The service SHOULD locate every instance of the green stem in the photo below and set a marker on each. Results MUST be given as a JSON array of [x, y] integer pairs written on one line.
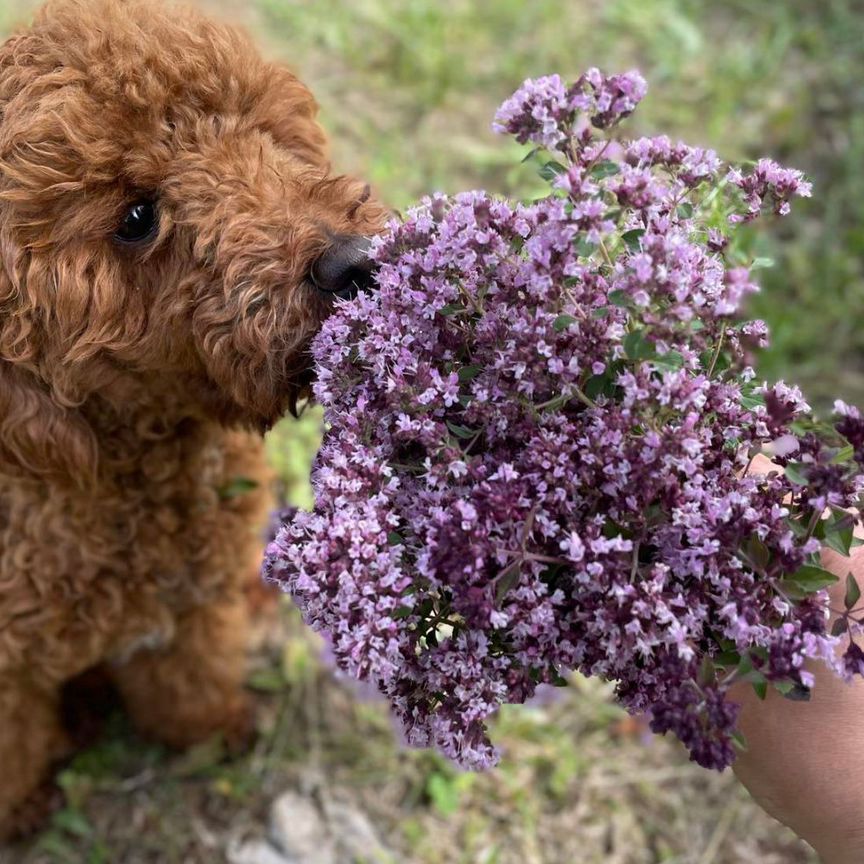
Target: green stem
[[815, 517], [717, 350], [606, 254], [561, 400]]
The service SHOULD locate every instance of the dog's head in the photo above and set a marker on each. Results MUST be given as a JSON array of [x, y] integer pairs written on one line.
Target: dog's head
[[168, 222]]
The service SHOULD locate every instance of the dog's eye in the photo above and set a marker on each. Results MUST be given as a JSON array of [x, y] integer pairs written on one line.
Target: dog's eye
[[140, 223]]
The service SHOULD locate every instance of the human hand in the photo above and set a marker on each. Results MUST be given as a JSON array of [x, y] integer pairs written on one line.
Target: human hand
[[804, 762]]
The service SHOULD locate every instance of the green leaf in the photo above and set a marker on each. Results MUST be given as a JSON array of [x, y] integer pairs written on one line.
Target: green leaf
[[597, 385], [637, 347], [728, 658], [266, 681], [793, 691], [837, 531], [793, 591], [720, 362], [752, 401], [853, 593], [551, 169], [72, 822], [811, 577], [799, 526], [745, 666], [531, 154], [556, 679], [747, 672], [840, 626], [461, 431], [506, 581], [733, 444], [838, 539], [760, 688], [620, 298], [805, 425], [469, 373], [685, 210], [632, 238], [236, 486], [794, 471], [844, 454], [606, 168], [426, 606], [632, 342], [707, 672], [739, 740], [562, 322], [762, 263], [451, 309], [394, 538], [443, 793], [584, 248], [669, 360], [757, 553], [401, 612]]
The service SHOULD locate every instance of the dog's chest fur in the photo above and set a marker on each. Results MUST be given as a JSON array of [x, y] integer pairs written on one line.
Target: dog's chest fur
[[109, 571]]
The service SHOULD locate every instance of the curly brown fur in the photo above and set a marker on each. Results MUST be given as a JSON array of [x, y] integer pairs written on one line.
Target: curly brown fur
[[135, 380]]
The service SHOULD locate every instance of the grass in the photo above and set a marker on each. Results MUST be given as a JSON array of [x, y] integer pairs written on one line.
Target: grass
[[579, 782], [407, 91]]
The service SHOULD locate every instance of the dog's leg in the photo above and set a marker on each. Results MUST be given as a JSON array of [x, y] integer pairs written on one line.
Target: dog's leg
[[32, 739], [193, 689]]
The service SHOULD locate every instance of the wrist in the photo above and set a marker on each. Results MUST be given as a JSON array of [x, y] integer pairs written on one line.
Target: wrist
[[849, 856], [842, 850]]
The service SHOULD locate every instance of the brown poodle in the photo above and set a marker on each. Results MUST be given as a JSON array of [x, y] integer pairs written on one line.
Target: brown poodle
[[169, 233]]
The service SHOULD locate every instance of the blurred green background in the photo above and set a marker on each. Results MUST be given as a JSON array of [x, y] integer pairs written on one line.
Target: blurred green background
[[408, 89]]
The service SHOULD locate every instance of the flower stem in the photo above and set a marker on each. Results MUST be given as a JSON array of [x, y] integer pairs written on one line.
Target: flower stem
[[717, 350]]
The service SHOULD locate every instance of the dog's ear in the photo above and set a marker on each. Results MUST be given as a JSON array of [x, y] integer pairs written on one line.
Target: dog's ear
[[288, 111], [38, 437]]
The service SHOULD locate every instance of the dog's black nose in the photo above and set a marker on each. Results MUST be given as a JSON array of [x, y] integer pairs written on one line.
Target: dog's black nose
[[345, 267]]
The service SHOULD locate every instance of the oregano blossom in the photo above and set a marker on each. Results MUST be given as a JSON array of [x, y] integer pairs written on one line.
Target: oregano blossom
[[540, 430]]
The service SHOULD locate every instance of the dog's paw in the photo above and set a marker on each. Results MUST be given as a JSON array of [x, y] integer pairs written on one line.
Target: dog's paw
[[33, 814], [240, 730]]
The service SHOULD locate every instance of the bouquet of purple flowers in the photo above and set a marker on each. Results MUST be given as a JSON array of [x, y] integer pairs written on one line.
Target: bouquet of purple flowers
[[539, 438]]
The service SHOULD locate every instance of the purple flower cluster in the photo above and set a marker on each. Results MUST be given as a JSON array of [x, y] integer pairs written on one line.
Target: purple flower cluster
[[548, 113], [771, 183], [539, 435]]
